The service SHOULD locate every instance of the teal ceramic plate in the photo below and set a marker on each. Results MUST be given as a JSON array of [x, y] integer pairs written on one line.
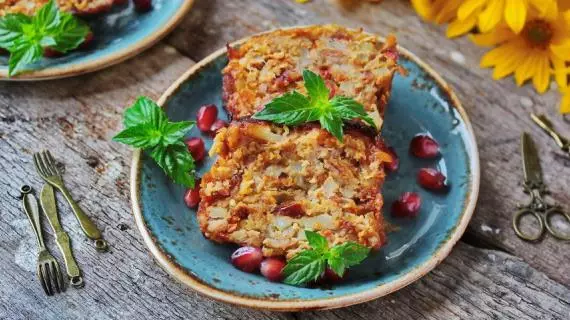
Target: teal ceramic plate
[[421, 103], [119, 34]]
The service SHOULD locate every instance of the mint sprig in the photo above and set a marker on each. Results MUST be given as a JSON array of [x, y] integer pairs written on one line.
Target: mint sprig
[[309, 265], [147, 127], [26, 37], [293, 108]]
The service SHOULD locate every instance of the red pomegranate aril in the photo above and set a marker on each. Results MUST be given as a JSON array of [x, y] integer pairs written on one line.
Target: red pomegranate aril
[[293, 210], [206, 117], [272, 268], [393, 165], [192, 196], [331, 277], [87, 41], [218, 124], [196, 147], [407, 206], [431, 179], [143, 5], [247, 259], [425, 147], [52, 53], [120, 2]]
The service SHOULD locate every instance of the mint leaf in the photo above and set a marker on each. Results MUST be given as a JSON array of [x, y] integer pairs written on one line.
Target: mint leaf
[[175, 131], [316, 241], [176, 162], [306, 266], [293, 108], [47, 17], [21, 54], [70, 33], [141, 136], [337, 264], [351, 253], [11, 29], [144, 110]]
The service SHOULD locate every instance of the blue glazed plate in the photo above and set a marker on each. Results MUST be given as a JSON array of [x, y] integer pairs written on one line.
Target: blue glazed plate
[[420, 103], [120, 34]]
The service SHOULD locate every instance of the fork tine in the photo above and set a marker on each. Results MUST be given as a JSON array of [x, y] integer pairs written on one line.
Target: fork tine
[[54, 276], [38, 165], [59, 277], [42, 280], [46, 162], [51, 162], [45, 279]]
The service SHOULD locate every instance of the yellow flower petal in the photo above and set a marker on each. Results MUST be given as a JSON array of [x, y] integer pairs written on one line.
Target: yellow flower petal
[[565, 103], [469, 7], [498, 55], [515, 14], [560, 72], [509, 65], [423, 8], [447, 11], [461, 27], [526, 70], [492, 38], [541, 78], [562, 50], [491, 16], [551, 10]]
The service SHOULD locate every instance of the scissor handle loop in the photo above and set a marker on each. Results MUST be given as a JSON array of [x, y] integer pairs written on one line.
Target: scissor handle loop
[[517, 220], [556, 211]]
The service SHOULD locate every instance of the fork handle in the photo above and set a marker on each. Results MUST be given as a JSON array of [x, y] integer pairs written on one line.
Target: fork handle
[[31, 208], [89, 228]]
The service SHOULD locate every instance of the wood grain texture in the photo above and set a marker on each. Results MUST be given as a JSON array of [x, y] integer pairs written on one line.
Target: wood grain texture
[[75, 118], [499, 110]]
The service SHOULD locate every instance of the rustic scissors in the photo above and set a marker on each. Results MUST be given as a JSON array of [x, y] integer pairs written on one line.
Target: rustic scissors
[[543, 122], [538, 207]]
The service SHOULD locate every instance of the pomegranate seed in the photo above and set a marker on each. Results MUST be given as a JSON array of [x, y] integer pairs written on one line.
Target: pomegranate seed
[[52, 53], [424, 147], [206, 117], [271, 269], [330, 276], [196, 147], [247, 259], [218, 124], [192, 196], [408, 205], [431, 179], [120, 2], [293, 210], [393, 165], [143, 5], [87, 42]]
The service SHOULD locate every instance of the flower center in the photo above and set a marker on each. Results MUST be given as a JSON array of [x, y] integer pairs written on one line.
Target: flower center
[[538, 33]]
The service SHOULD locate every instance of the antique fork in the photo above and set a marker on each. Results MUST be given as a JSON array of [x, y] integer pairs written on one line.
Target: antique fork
[[48, 268], [47, 169]]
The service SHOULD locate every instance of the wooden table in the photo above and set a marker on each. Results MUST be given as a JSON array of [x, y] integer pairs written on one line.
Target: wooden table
[[490, 274]]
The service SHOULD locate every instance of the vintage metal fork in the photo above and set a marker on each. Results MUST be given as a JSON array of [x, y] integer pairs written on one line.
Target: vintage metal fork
[[47, 169], [48, 268]]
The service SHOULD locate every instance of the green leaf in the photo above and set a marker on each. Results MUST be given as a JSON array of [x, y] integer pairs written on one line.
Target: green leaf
[[351, 253], [141, 136], [290, 109], [332, 124], [316, 88], [316, 241], [70, 33], [348, 108], [306, 266], [337, 264], [11, 29], [144, 110], [175, 131], [176, 161], [47, 17], [21, 54]]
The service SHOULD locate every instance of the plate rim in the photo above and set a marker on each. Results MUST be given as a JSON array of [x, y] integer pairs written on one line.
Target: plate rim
[[105, 61], [182, 276]]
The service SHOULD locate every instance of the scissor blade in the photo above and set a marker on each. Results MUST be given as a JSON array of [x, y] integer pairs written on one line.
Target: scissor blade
[[531, 162]]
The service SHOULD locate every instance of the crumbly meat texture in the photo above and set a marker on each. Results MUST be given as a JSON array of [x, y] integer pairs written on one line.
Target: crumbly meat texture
[[353, 63], [270, 183], [29, 7]]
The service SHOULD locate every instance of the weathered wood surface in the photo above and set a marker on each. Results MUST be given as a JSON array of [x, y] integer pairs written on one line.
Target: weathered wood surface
[[499, 110], [76, 118]]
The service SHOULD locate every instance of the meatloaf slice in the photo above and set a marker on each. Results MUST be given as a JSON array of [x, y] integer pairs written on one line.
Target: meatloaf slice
[[29, 7], [271, 182], [353, 63]]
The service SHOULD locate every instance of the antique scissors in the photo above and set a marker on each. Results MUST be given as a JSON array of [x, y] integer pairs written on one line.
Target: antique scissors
[[543, 122], [538, 207]]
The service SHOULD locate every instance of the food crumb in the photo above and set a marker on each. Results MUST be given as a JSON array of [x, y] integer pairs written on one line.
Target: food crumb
[[457, 57]]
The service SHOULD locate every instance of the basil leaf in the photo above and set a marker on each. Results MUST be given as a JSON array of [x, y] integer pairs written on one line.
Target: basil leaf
[[175, 131], [348, 108], [144, 110], [316, 241], [70, 33], [141, 136], [11, 29], [22, 54], [316, 88], [351, 253], [176, 161], [306, 266]]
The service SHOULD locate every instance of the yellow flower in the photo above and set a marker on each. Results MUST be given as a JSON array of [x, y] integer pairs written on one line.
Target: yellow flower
[[438, 11], [541, 47]]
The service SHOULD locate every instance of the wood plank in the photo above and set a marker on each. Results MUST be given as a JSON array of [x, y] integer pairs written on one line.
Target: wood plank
[[498, 109]]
